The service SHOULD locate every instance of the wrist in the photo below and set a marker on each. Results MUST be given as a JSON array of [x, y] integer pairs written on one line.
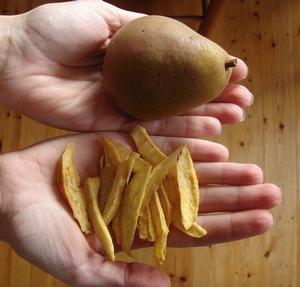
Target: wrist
[[7, 39]]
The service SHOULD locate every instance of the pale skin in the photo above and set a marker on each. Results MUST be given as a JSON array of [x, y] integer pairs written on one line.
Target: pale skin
[[54, 76]]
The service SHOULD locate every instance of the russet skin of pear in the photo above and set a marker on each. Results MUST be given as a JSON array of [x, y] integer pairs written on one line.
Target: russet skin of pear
[[156, 67]]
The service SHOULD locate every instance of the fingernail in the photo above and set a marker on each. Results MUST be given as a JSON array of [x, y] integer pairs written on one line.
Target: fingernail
[[244, 116], [251, 99]]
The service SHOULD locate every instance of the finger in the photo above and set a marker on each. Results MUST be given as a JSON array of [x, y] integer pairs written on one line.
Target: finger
[[237, 198], [228, 173], [181, 126], [201, 150], [114, 17], [225, 227], [226, 113], [235, 94], [239, 72], [87, 149]]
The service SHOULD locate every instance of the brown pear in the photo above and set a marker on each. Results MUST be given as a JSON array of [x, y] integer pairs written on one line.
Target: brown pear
[[156, 67]]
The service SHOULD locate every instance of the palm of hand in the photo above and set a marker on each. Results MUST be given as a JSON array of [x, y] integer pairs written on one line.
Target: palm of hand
[[61, 83], [42, 229]]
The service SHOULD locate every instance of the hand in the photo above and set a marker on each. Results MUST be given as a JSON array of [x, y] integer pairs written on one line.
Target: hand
[[53, 74], [39, 226]]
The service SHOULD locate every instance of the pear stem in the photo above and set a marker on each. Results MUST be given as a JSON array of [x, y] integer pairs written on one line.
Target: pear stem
[[231, 63]]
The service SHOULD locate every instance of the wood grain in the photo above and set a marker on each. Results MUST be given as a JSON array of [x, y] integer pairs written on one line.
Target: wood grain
[[268, 42], [187, 11], [9, 7], [162, 7], [266, 34]]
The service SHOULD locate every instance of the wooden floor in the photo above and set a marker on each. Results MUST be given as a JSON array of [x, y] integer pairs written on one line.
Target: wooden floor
[[266, 34]]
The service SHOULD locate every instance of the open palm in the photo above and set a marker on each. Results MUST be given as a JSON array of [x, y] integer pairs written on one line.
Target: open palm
[[53, 74], [39, 226]]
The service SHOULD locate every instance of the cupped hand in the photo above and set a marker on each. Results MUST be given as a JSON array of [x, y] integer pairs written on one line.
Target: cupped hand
[[39, 226], [53, 74]]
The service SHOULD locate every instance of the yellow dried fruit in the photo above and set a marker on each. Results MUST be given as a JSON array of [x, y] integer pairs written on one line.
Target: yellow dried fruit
[[69, 184], [92, 186]]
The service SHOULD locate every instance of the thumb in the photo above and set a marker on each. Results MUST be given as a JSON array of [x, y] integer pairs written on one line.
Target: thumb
[[125, 274], [126, 16], [97, 271], [115, 16], [138, 275]]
